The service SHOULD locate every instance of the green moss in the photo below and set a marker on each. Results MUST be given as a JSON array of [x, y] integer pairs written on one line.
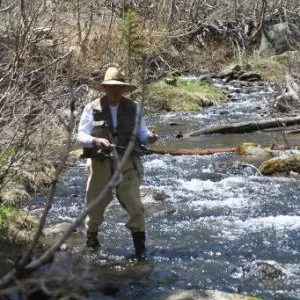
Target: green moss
[[281, 165], [270, 69], [6, 212], [185, 95]]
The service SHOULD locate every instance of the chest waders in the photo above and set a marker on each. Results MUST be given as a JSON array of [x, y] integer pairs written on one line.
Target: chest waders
[[103, 162]]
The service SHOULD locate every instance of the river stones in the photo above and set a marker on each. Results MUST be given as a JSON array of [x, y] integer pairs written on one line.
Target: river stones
[[250, 76], [281, 165], [237, 72], [230, 71]]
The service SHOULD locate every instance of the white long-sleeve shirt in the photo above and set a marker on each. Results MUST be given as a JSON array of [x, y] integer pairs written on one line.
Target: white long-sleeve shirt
[[86, 125]]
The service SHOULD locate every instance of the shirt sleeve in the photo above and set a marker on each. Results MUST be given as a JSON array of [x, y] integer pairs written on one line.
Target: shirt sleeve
[[85, 127], [143, 131]]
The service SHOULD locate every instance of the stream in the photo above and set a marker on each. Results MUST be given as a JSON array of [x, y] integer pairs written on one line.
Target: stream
[[212, 223]]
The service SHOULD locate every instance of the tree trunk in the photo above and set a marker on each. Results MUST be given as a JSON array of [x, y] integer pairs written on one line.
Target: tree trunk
[[191, 151], [250, 126]]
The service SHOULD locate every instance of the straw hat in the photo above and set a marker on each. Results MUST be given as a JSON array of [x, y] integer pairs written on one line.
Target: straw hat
[[114, 76]]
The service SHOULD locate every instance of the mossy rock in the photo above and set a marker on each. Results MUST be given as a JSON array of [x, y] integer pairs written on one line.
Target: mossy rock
[[230, 71], [17, 223], [252, 149], [75, 154], [281, 165], [269, 69], [186, 95]]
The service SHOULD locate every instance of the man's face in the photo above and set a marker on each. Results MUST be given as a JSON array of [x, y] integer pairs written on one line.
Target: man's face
[[114, 92]]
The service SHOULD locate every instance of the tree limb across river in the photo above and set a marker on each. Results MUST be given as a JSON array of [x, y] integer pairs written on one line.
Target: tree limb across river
[[250, 126]]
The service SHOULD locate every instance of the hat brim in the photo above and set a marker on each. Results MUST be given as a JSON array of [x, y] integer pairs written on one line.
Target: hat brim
[[126, 86]]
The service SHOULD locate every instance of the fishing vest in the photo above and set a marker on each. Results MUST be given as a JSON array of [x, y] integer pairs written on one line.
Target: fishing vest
[[103, 127]]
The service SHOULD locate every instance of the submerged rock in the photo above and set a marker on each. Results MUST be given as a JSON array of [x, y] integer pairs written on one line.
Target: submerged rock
[[57, 229], [160, 195], [159, 209], [281, 165], [267, 270]]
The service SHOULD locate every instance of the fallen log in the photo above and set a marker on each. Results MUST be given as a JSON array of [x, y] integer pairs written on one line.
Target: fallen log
[[250, 126], [211, 150], [191, 151]]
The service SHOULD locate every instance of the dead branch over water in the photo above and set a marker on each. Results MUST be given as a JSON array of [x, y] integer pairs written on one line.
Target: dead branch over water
[[250, 126]]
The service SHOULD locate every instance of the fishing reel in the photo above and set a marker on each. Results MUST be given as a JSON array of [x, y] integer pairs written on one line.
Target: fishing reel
[[107, 151]]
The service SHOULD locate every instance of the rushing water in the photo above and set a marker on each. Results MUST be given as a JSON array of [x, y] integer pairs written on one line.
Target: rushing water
[[212, 223]]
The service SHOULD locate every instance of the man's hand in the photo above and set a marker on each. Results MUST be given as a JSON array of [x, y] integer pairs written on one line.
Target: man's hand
[[100, 143], [152, 137]]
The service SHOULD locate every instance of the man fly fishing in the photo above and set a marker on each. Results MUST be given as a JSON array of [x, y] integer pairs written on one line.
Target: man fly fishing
[[105, 129]]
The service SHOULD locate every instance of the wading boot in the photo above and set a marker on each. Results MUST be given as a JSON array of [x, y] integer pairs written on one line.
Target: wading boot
[[139, 245], [92, 241]]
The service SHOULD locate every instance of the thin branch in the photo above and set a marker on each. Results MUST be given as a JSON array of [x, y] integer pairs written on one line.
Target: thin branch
[[50, 64]]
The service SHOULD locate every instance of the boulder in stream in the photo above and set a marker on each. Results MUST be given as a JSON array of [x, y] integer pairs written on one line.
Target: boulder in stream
[[254, 150], [281, 165], [230, 72], [250, 76]]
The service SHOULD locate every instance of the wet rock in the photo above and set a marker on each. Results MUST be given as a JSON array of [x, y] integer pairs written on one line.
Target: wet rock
[[224, 112], [163, 277], [267, 270], [159, 209], [174, 124], [205, 295], [281, 165], [160, 196], [294, 175], [254, 150], [57, 229], [205, 77], [230, 71], [64, 247], [109, 289], [156, 195], [179, 135], [250, 76], [205, 102], [235, 168]]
